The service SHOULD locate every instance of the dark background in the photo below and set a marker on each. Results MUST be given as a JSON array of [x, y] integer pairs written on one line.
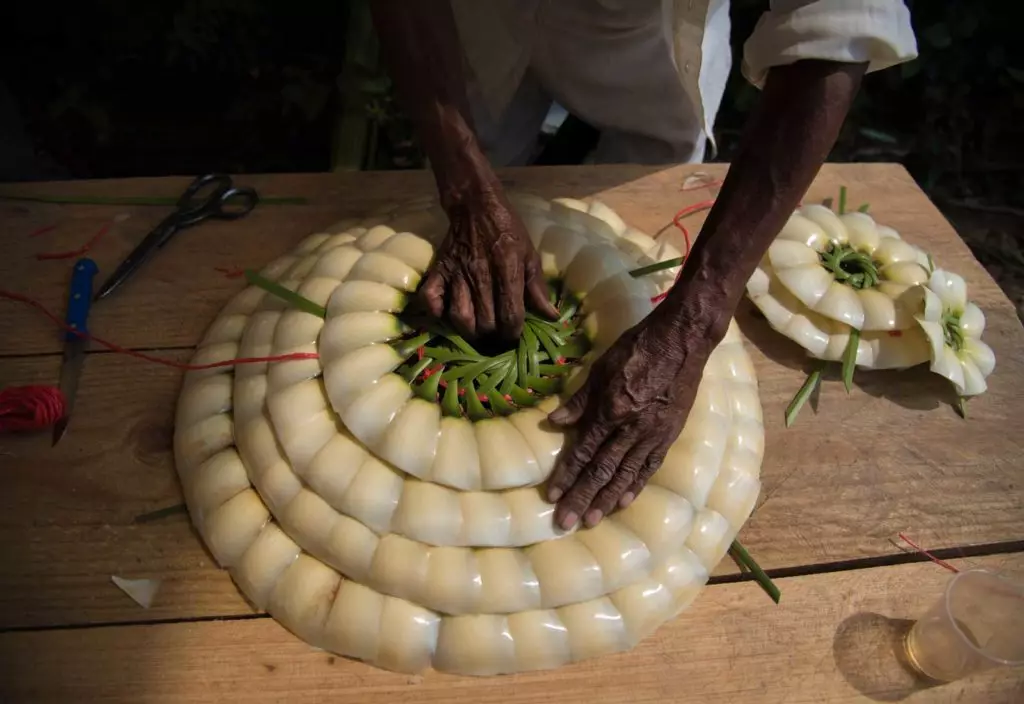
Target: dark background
[[117, 88]]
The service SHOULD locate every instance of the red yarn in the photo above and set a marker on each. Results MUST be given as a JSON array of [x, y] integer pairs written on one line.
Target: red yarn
[[30, 407], [688, 210], [76, 252], [150, 358], [42, 230], [230, 273]]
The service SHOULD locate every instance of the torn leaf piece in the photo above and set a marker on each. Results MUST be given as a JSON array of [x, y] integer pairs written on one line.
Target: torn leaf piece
[[141, 591]]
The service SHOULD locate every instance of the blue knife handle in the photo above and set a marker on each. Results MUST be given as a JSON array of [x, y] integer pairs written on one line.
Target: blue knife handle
[[80, 297]]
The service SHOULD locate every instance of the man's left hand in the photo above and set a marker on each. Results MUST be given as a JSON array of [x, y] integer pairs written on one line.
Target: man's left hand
[[627, 414]]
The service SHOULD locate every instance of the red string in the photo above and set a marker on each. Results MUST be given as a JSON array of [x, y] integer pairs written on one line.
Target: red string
[[30, 408], [688, 210], [42, 230], [76, 252], [230, 273], [150, 358], [937, 561]]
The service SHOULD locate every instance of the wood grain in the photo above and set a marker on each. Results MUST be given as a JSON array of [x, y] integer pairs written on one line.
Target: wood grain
[[890, 457], [831, 640]]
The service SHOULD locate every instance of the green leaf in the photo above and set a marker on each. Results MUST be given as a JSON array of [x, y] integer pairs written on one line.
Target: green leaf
[[549, 344], [656, 267], [450, 403], [850, 358], [290, 297], [521, 397], [575, 347], [522, 357], [808, 387], [498, 375], [407, 348], [428, 389], [412, 371], [863, 208], [511, 378], [545, 387], [499, 405], [743, 557], [532, 345], [961, 407], [474, 408]]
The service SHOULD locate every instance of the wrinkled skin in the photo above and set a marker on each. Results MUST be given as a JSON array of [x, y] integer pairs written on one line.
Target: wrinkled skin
[[485, 272], [627, 414]]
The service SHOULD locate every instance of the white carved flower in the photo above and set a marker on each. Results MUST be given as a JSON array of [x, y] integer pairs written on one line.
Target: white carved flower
[[847, 268], [953, 326]]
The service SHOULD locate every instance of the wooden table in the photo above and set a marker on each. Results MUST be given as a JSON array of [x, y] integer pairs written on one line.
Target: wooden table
[[838, 487]]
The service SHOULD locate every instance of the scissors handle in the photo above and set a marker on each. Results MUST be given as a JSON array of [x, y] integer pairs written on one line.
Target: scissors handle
[[225, 201]]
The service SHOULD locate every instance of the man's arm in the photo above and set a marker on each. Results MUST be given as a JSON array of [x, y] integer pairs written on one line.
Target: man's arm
[[785, 142], [638, 395], [486, 268]]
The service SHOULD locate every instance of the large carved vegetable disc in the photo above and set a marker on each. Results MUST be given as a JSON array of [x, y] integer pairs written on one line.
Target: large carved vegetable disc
[[383, 501]]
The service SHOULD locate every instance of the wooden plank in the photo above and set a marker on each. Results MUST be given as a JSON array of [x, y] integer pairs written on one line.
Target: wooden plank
[[170, 303], [831, 640], [836, 487], [68, 514]]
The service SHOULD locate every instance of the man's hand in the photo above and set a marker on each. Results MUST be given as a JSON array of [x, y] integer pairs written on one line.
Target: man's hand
[[628, 413], [485, 271], [638, 395]]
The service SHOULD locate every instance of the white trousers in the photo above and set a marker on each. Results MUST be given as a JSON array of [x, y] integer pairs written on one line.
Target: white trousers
[[609, 62]]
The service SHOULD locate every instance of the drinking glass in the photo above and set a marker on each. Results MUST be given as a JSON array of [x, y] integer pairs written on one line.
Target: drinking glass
[[978, 623]]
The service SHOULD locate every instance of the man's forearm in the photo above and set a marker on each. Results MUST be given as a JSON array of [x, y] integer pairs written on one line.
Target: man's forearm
[[786, 140], [420, 45]]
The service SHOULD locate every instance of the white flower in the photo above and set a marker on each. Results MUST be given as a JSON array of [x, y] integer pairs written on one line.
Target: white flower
[[953, 326], [847, 268]]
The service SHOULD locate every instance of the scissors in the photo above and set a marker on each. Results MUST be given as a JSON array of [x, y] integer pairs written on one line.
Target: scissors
[[77, 317], [224, 202]]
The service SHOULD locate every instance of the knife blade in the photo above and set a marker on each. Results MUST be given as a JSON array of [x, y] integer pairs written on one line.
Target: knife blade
[[77, 319]]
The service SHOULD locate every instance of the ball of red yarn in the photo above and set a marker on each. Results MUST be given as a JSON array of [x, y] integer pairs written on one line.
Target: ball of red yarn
[[24, 408]]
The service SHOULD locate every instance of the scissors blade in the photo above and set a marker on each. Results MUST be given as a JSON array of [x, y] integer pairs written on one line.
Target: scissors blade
[[143, 251], [77, 318]]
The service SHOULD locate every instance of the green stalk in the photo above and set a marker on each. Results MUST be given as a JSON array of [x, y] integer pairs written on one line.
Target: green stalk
[[290, 297], [407, 348], [413, 372], [743, 557], [521, 397], [450, 402], [961, 407], [850, 358], [656, 267], [842, 199], [475, 409], [863, 208], [428, 389], [808, 387]]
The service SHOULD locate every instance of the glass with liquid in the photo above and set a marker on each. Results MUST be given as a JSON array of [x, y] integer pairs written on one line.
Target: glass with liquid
[[978, 623]]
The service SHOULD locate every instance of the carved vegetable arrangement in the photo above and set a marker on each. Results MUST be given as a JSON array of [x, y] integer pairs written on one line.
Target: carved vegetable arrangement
[[848, 289]]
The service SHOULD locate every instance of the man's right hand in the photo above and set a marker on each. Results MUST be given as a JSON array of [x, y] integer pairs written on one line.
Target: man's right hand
[[486, 271]]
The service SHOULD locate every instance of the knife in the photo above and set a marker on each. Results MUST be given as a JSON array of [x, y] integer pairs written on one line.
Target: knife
[[77, 318]]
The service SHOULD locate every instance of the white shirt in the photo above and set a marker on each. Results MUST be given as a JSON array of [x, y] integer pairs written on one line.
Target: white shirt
[[502, 39]]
